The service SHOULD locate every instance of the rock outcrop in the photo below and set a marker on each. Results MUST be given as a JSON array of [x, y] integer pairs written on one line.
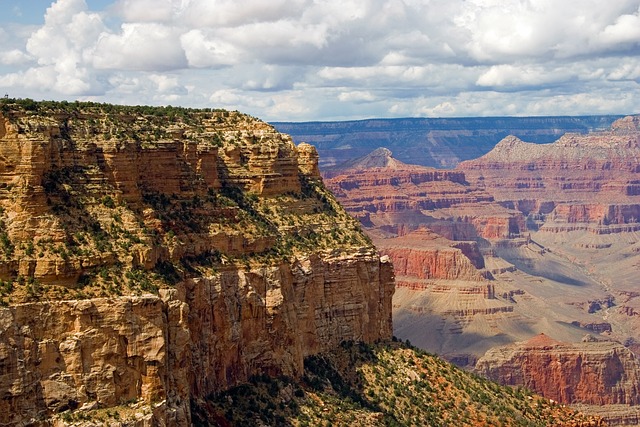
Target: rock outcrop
[[422, 254], [591, 372], [158, 255]]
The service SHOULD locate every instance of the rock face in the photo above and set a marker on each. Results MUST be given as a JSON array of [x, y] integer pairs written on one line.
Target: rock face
[[432, 225], [424, 255], [590, 372], [563, 177], [161, 255]]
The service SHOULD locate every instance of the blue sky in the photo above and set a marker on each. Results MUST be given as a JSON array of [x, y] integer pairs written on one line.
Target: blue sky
[[327, 59]]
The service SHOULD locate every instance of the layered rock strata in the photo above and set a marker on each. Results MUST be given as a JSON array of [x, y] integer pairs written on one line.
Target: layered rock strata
[[158, 255], [557, 182], [554, 231], [591, 372], [434, 226]]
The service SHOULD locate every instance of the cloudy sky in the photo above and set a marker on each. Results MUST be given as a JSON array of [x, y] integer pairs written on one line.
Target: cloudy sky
[[299, 60]]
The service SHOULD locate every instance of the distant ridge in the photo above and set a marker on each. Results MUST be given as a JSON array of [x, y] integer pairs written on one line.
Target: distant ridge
[[435, 142], [380, 158]]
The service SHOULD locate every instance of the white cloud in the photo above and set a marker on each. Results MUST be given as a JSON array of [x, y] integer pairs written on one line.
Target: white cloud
[[625, 30], [146, 10], [165, 83], [237, 100], [232, 13], [204, 50], [286, 59], [628, 70], [517, 76], [140, 46], [14, 57], [356, 96], [59, 47]]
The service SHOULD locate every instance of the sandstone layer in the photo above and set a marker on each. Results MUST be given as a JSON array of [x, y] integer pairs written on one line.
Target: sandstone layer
[[153, 256], [591, 372]]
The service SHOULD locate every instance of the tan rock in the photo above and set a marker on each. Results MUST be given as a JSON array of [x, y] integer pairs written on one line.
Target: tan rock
[[590, 372], [99, 191]]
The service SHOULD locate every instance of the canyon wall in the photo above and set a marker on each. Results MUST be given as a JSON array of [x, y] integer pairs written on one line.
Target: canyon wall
[[152, 256], [591, 372], [527, 239]]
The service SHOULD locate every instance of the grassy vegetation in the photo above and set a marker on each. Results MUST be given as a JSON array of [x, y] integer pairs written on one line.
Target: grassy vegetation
[[388, 384]]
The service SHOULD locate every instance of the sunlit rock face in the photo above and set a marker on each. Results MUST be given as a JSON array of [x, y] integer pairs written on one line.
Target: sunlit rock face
[[158, 255]]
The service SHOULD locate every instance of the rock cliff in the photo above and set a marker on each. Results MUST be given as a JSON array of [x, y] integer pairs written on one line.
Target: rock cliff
[[591, 372], [563, 177], [159, 255]]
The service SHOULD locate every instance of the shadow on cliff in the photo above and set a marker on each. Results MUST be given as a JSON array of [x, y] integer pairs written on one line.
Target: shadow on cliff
[[284, 401], [550, 269]]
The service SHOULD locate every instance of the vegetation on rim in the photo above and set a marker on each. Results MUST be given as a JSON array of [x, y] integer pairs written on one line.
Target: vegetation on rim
[[104, 236]]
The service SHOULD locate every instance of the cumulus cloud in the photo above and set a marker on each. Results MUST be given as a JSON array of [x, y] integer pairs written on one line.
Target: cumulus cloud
[[624, 31], [146, 10], [203, 49], [330, 59], [14, 57], [140, 46]]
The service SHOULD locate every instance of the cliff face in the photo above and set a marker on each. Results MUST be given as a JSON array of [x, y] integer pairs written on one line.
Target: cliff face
[[591, 372], [161, 255], [401, 198], [565, 176], [435, 227], [207, 334], [424, 255]]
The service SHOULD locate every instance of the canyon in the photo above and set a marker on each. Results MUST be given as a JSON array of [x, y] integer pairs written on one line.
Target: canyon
[[527, 239], [164, 266]]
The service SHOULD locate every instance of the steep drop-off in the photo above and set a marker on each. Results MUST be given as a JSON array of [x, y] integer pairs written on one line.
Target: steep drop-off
[[592, 373], [388, 384], [158, 255]]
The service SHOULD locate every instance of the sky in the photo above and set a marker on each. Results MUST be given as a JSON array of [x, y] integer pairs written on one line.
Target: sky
[[307, 60]]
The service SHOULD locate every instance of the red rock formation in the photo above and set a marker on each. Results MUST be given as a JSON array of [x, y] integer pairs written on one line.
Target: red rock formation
[[424, 255], [393, 194], [591, 372], [561, 179]]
